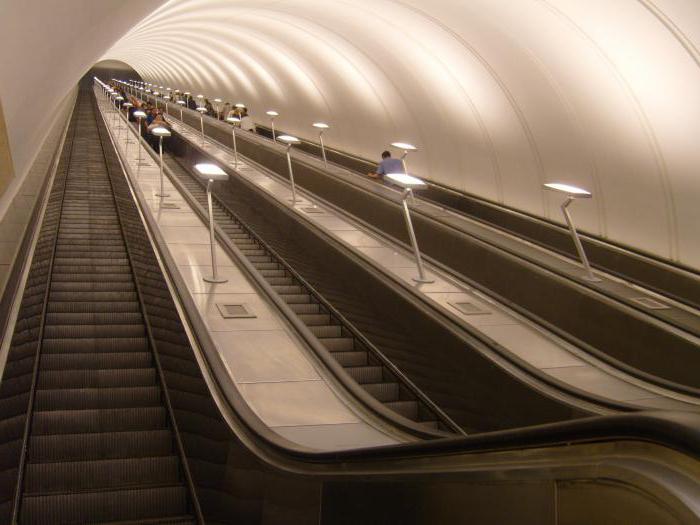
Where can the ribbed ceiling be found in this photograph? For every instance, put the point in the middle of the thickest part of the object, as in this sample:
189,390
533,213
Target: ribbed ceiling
499,95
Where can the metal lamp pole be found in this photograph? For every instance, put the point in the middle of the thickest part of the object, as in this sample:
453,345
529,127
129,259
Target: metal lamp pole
212,172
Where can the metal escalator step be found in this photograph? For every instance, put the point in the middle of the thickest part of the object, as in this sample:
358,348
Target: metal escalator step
81,297
286,289
94,318
87,268
255,259
328,331
45,478
267,266
94,398
273,272
315,319
95,286
383,392
339,344
93,331
100,445
252,251
296,298
111,344
125,377
280,280
96,262
306,308
96,361
365,374
348,359
98,420
58,277
408,409
101,506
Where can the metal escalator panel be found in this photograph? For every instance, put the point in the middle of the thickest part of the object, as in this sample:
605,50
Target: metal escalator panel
100,445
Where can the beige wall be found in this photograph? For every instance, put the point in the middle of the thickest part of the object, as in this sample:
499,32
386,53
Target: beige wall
6,167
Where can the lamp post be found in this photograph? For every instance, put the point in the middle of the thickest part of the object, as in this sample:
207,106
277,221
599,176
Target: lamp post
181,103
234,121
126,105
166,98
321,126
406,147
272,115
202,111
155,96
572,193
139,115
161,132
211,173
290,141
187,97
217,105
117,100
409,183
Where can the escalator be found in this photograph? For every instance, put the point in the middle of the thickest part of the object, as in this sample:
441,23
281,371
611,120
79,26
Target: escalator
98,439
357,355
116,408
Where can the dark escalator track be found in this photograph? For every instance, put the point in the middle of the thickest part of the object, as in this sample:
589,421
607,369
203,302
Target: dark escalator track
100,442
355,354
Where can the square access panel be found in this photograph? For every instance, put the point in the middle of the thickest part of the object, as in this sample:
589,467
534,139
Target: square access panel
468,308
235,311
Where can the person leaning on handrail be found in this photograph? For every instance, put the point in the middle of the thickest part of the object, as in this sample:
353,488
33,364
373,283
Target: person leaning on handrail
387,165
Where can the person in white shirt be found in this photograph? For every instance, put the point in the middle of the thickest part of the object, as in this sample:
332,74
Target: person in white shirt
247,123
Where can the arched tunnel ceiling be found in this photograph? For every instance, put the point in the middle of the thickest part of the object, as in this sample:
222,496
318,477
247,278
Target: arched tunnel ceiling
500,95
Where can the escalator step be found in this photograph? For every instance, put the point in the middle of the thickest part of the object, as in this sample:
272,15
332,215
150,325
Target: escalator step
351,358
408,409
280,280
339,344
101,506
90,332
306,308
326,331
100,445
96,361
44,478
365,374
100,420
93,398
383,392
274,272
112,344
94,307
315,319
125,377
92,287
296,298
93,318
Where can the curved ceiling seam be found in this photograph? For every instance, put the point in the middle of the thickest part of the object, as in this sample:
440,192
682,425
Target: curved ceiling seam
676,31
662,169
520,115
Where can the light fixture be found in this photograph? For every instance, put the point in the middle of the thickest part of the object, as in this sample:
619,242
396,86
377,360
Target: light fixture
139,115
289,140
160,132
240,105
181,103
211,173
202,111
410,183
217,105
234,121
125,105
572,193
321,126
406,147
272,114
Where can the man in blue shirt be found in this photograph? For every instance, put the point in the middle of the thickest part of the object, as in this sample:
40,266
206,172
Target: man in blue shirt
387,165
